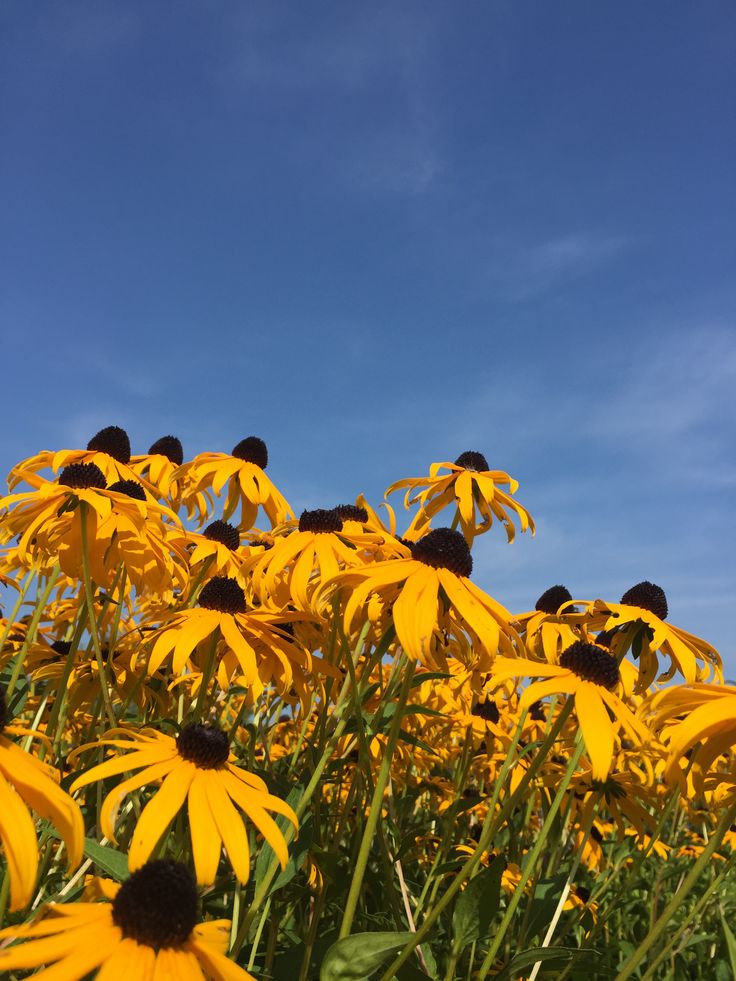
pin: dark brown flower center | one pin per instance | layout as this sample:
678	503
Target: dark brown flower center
444	548
472	460
552	599
224	594
252	450
83	476
487	710
61	648
157	905
131	488
320	520
224	533
207	746
170	447
111	440
3	711
648	596
591	663
536	711
351	512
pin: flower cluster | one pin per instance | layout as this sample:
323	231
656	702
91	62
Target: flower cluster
262	721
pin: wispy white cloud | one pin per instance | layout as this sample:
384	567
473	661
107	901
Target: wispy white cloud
523	271
354	55
672	384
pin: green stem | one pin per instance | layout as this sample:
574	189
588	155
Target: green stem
692	915
207	676
374	813
289	835
658	928
30	636
10	622
566	888
105	691
531	860
487	835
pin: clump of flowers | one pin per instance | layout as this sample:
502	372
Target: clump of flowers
324	748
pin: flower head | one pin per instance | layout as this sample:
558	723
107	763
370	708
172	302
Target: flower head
147	929
475	490
195	768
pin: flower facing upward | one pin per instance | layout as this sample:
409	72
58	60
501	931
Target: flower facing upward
148	932
431	593
195	768
24	780
590	674
472	488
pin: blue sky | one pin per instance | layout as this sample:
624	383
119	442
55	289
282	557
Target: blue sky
378	235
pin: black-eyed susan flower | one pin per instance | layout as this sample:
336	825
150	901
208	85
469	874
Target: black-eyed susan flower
433	599
218	545
157	469
247	633
108	450
242	471
590	675
699	718
196	768
304	557
641	613
123	525
145	930
475	490
552	625
27	782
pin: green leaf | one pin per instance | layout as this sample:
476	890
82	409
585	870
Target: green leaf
477	905
730	943
544	903
298	849
551	956
108	859
357	957
419	679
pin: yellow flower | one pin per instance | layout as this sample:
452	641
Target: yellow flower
196	768
640	617
696	717
218	545
24	780
148	931
433	600
552	625
303	557
243	472
588	673
123	525
472	488
250	635
109	450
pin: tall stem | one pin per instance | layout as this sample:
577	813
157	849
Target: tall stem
658	928
531	861
374	814
489	831
30	636
102	671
